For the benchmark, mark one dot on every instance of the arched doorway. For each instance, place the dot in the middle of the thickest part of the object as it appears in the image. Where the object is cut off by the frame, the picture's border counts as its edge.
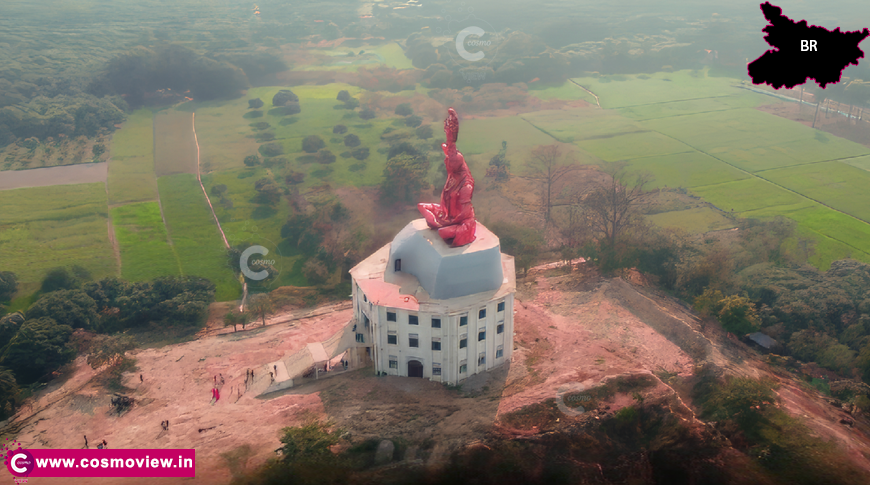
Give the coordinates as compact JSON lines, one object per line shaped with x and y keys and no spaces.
{"x":415,"y":369}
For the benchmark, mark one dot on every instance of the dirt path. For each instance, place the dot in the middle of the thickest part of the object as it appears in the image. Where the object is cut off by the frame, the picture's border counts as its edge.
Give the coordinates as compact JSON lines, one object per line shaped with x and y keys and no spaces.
{"x":83,"y":173}
{"x":597,"y":101}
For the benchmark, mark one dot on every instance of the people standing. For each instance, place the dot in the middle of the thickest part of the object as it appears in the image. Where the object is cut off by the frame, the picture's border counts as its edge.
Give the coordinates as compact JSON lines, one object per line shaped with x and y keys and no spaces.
{"x":86,"y":441}
{"x":105,"y":445}
{"x":141,"y":379}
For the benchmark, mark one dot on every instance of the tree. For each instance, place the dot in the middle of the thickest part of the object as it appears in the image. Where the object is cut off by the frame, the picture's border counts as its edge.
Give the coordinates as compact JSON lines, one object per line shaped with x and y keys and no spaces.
{"x":39,"y":347}
{"x":312,"y":143}
{"x":424,"y":132}
{"x":351,"y":103}
{"x":738,"y":315}
{"x":271,"y":149}
{"x":59,"y":279}
{"x":269,"y":193}
{"x":255,"y":103}
{"x":284,"y":97}
{"x":311,"y":441}
{"x":9,"y":326}
{"x":343,"y":95}
{"x":8,"y":392}
{"x":339,"y":129}
{"x":234,"y":319}
{"x":67,"y":307}
{"x":740,"y":399}
{"x":315,"y":271}
{"x":367,"y":113}
{"x":252,"y":160}
{"x":522,"y":242}
{"x":287,"y":110}
{"x":260,"y":305}
{"x":360,"y":153}
{"x":613,"y":206}
{"x":98,"y":150}
{"x":404,"y":109}
{"x":413,"y":121}
{"x":404,"y":178}
{"x":548,"y":167}
{"x":8,"y":285}
{"x":351,"y":141}
{"x":500,"y":164}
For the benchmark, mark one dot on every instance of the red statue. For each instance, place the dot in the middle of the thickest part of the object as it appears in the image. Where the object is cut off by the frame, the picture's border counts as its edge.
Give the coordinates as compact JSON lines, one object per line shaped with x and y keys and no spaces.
{"x":453,"y":218}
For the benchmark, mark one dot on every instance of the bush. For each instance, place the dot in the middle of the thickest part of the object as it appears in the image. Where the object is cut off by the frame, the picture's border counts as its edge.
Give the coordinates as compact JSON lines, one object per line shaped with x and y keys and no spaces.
{"x":255,"y":103}
{"x":39,"y":347}
{"x":351,"y":141}
{"x":425,"y":132}
{"x":252,"y":160}
{"x":260,"y":125}
{"x":360,"y":153}
{"x":8,"y":285}
{"x":343,"y":95}
{"x":219,"y":190}
{"x":325,"y":156}
{"x":289,"y":109}
{"x":339,"y":129}
{"x":312,"y":143}
{"x":367,"y":114}
{"x":404,"y":109}
{"x":351,"y":103}
{"x":266,"y":136}
{"x":59,"y":279}
{"x":413,"y":121}
{"x":284,"y":97}
{"x":271,"y":149}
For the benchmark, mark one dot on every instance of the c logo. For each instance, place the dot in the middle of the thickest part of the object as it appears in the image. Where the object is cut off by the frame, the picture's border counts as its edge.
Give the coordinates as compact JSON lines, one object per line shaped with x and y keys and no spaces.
{"x":243,"y":263}
{"x":21,"y":463}
{"x":460,"y":43}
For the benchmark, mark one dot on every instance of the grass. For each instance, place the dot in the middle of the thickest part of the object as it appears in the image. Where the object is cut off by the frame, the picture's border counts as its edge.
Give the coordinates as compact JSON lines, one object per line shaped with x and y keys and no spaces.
{"x":661,"y":87}
{"x":145,"y":251}
{"x":695,"y":220}
{"x":689,"y":169}
{"x":581,"y":124}
{"x":45,"y":227}
{"x":174,"y":148}
{"x":667,"y":109}
{"x":744,"y":196}
{"x":566,"y":91}
{"x":194,"y":234}
{"x":485,"y":135}
{"x":633,"y":145}
{"x":131,"y":169}
{"x":835,"y":184}
{"x":244,"y":222}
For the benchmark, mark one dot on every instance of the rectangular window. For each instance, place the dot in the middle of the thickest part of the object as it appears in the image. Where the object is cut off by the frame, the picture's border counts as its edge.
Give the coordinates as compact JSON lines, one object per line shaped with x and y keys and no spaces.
{"x":394,"y":362}
{"x":481,"y":335}
{"x":436,"y":323}
{"x":398,"y":266}
{"x":360,"y":338}
{"x":365,"y":300}
{"x":436,"y":369}
{"x":463,"y":321}
{"x":499,"y":352}
{"x":392,"y":339}
{"x":501,"y":306}
{"x":463,"y":368}
{"x":436,"y":344}
{"x":413,"y":340}
{"x":481,"y":360}
{"x":413,"y":320}
{"x":499,"y":328}
{"x":366,"y":320}
{"x":481,"y":314}
{"x":391,"y":316}
{"x":463,"y":341}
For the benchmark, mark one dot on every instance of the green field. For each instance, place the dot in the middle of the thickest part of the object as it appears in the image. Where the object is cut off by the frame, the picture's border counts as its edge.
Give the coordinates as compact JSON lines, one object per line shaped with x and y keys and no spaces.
{"x":195,"y":235}
{"x":567,"y":91}
{"x":485,"y":135}
{"x":678,"y":108}
{"x":131,"y":168}
{"x":834,"y":184}
{"x":690,"y":169}
{"x":746,"y":196}
{"x":174,"y":146}
{"x":145,"y":250}
{"x":46,"y":227}
{"x":695,"y":220}
{"x":632,"y":90}
{"x":633,"y":145}
{"x":571,"y":125}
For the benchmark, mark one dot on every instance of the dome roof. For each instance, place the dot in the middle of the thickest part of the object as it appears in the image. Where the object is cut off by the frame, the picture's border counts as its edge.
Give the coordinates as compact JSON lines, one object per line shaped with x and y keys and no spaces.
{"x":446,"y":272}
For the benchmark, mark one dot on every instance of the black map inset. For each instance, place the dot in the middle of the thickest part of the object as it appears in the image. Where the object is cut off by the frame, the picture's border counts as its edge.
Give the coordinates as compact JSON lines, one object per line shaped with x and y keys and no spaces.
{"x":801,"y":52}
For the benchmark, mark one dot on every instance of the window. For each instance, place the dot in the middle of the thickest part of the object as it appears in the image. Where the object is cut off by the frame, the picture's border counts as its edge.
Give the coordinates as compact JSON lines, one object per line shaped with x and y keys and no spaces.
{"x":463,"y":341}
{"x":360,"y":338}
{"x":501,"y":306}
{"x":436,"y":369}
{"x":463,"y":320}
{"x":392,"y":339}
{"x":499,"y":352}
{"x":481,"y":314}
{"x":391,"y":316}
{"x":436,"y":344}
{"x":463,"y":368}
{"x":365,"y":300}
{"x":481,"y":335}
{"x":436,"y":323}
{"x":499,"y":328}
{"x":482,"y":359}
{"x":413,"y":320}
{"x":394,"y":362}
{"x":398,"y":266}
{"x":413,"y":340}
{"x":366,"y":320}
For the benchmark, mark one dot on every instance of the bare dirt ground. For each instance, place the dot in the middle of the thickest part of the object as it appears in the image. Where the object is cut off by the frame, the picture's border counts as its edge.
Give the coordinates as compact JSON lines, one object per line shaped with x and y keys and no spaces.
{"x":84,"y":173}
{"x":573,"y":331}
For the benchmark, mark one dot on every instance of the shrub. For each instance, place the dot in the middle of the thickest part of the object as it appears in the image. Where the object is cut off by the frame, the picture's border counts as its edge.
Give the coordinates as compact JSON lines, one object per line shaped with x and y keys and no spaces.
{"x":325,"y":156}
{"x":283,"y":97}
{"x":312,"y":143}
{"x":413,"y":121}
{"x":339,"y":129}
{"x":252,"y":160}
{"x":360,"y":153}
{"x":351,"y":141}
{"x":404,"y":109}
{"x":255,"y":103}
{"x":271,"y":149}
{"x":425,"y":132}
{"x":367,"y":114}
{"x":343,"y":95}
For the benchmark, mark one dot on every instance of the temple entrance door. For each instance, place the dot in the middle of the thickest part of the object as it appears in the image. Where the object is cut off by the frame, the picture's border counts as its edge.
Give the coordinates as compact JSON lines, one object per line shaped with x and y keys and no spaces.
{"x":415,"y":369}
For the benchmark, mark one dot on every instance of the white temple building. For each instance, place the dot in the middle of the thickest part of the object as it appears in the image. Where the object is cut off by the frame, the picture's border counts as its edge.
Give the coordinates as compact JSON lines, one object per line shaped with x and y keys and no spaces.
{"x":425,"y":309}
